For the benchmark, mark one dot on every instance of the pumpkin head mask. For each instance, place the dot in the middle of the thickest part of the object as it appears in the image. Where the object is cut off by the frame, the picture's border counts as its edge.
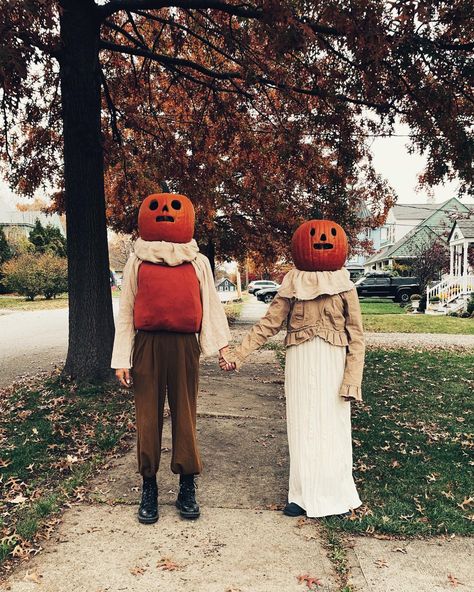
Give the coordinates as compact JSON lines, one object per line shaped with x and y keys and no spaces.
{"x":166,"y":217}
{"x":319,"y":245}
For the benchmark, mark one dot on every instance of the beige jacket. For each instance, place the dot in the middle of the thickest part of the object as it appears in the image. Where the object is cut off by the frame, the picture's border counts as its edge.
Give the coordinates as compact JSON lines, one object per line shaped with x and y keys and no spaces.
{"x":214,"y":334}
{"x":323,"y":304}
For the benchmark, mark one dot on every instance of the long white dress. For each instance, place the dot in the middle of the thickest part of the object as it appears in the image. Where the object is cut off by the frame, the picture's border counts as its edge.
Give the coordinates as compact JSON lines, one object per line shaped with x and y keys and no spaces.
{"x":319,"y":430}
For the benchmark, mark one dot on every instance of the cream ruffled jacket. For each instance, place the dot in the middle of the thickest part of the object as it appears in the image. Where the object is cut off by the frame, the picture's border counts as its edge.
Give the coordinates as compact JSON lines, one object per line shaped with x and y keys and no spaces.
{"x":214,"y":334}
{"x":314,"y":303}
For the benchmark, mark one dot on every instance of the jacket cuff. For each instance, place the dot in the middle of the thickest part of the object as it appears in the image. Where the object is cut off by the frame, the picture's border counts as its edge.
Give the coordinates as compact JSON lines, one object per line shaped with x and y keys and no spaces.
{"x":350,"y":392}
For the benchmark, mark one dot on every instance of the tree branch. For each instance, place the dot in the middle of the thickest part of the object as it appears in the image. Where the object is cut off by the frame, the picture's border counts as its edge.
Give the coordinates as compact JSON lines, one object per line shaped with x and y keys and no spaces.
{"x":169,"y":61}
{"x":243,"y":10}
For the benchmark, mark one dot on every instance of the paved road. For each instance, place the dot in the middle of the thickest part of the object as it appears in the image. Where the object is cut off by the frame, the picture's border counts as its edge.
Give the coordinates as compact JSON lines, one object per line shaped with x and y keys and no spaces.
{"x":32,"y":340}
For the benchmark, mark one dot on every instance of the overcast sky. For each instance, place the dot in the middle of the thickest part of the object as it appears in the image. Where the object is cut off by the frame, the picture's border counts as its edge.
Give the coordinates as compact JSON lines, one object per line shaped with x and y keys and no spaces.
{"x":392,"y":160}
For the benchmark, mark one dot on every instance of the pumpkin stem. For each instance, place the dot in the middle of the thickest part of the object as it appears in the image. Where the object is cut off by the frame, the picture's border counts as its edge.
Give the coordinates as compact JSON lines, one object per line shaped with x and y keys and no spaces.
{"x":316,"y":213}
{"x":164,"y":187}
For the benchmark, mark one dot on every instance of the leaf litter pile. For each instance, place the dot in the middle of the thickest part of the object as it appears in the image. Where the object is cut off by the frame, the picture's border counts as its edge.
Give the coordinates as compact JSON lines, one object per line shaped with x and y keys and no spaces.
{"x":53,"y":434}
{"x":413,"y":445}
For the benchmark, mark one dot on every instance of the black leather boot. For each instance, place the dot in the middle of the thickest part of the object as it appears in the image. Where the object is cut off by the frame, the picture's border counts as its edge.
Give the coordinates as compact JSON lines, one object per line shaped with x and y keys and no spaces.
{"x":186,"y":502}
{"x":148,"y":511}
{"x":293,"y":510}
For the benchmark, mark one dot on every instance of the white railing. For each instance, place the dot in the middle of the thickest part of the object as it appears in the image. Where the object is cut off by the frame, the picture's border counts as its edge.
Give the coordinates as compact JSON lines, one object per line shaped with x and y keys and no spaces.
{"x":450,"y":289}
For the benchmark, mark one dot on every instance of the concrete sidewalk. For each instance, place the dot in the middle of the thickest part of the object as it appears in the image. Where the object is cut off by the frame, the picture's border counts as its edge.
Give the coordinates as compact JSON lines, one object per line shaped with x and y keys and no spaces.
{"x":242,"y":542}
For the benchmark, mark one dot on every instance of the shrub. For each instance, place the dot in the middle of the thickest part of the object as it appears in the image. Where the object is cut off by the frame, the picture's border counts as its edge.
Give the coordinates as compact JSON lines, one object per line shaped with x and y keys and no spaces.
{"x":470,"y":305}
{"x":31,"y":275}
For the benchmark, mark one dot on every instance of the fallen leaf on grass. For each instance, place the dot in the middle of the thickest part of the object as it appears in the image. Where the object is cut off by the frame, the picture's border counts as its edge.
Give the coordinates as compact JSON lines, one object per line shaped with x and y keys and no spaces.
{"x":19,"y":499}
{"x":310,"y":581}
{"x":167,"y":564}
{"x":33,"y":577}
{"x":467,"y":502}
{"x":137,"y":570}
{"x":454,"y":581}
{"x":400,"y":550}
{"x":381,"y":563}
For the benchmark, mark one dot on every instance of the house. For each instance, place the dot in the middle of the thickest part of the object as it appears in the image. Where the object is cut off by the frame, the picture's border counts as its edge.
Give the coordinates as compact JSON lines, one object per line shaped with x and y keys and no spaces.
{"x":355,"y":264}
{"x":225,"y":285}
{"x":410,"y":225}
{"x":453,"y":291}
{"x":18,"y":224}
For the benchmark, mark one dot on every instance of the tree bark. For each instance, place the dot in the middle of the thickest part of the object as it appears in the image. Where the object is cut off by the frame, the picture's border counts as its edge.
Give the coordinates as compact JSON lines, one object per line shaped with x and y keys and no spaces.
{"x":91,"y":325}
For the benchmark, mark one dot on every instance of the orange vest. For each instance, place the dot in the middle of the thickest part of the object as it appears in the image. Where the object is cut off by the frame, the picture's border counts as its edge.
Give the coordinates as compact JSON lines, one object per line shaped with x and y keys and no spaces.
{"x":167,"y":299}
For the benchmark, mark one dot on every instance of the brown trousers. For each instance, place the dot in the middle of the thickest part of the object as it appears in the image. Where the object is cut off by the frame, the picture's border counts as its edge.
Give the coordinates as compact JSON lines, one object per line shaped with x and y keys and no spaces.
{"x":165,"y":362}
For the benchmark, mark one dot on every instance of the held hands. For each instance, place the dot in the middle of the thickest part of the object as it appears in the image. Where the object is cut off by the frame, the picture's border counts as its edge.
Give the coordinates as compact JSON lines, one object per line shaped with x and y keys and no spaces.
{"x":123,"y":375}
{"x":223,"y":363}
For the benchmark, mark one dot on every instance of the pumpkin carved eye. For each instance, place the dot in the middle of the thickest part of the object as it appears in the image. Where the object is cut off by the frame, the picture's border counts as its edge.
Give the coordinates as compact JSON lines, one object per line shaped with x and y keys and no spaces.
{"x":312,"y":232}
{"x":153,"y":204}
{"x":333,"y":231}
{"x":175,"y":204}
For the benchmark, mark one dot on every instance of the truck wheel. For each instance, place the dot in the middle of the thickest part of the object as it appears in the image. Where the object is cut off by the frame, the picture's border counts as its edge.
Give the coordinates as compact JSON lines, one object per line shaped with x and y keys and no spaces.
{"x":404,"y":297}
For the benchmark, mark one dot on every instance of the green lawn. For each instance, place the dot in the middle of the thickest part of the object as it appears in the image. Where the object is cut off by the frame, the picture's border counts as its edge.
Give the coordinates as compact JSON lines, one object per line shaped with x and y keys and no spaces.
{"x":39,"y":303}
{"x":10,"y":302}
{"x":413,"y":443}
{"x":385,"y":316}
{"x":52,"y":436}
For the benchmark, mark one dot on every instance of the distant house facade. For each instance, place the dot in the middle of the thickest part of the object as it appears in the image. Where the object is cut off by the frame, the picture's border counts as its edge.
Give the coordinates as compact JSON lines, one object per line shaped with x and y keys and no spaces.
{"x":410,"y":225}
{"x":18,"y":224}
{"x":225,"y":285}
{"x":454,"y":290}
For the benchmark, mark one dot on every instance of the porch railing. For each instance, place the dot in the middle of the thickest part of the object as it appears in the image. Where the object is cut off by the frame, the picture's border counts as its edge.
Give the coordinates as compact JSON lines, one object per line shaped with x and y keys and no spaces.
{"x":451,"y":288}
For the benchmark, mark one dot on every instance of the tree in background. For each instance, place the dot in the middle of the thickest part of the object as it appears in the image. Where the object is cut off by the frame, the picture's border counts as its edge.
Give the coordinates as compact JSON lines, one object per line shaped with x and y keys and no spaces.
{"x":31,"y":274}
{"x":5,"y":255}
{"x":341,"y":71}
{"x":431,"y":259}
{"x":48,"y":239}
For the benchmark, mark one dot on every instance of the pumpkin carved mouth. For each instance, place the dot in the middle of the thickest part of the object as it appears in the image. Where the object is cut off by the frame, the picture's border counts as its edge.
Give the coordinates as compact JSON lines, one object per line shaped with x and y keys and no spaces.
{"x":323,"y":246}
{"x":164,"y":219}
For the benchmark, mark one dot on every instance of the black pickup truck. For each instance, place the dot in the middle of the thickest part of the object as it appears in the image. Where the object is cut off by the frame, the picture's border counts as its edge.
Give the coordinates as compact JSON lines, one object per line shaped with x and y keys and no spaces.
{"x":384,"y":284}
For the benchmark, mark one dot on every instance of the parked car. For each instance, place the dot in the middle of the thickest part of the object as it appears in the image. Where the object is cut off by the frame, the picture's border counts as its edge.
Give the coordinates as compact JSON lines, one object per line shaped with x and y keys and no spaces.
{"x":386,"y":285}
{"x":267,"y":294}
{"x":259,"y":284}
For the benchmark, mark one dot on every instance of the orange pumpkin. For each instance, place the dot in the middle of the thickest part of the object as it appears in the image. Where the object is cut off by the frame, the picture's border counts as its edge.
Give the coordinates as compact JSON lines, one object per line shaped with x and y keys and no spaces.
{"x":166,"y":217}
{"x":319,"y":245}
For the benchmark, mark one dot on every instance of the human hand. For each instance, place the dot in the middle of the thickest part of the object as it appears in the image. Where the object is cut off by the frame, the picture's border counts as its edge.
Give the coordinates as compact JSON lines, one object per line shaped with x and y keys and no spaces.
{"x":123,"y":375}
{"x":223,"y":363}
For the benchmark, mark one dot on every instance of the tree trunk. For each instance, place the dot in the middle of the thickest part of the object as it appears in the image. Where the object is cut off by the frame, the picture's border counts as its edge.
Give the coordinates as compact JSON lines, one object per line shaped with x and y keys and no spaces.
{"x":91,"y":326}
{"x":209,"y":250}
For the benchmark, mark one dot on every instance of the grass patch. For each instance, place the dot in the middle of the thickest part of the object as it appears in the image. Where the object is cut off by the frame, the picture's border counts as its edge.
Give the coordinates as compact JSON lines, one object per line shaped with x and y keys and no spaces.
{"x":233,"y":310}
{"x":396,"y":323}
{"x":10,"y":302}
{"x":380,"y":306}
{"x":381,"y":315}
{"x":53,"y":434}
{"x":413,"y":443}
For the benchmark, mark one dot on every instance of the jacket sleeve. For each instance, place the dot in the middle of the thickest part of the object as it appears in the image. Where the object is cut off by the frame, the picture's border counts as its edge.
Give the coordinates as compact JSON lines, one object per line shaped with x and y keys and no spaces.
{"x":259,"y":334}
{"x":351,"y":385}
{"x":214,"y":334}
{"x":124,"y":327}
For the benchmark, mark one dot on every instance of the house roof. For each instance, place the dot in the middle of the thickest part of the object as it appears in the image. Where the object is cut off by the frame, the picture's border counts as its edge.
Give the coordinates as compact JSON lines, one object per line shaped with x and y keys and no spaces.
{"x":414,"y":211}
{"x":465,"y":226}
{"x":426,"y":231}
{"x":222,"y":280}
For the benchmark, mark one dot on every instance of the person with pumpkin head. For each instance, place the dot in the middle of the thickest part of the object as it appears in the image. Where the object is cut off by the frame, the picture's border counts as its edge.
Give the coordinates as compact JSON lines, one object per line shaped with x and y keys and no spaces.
{"x":169,"y":313}
{"x":324,"y":364}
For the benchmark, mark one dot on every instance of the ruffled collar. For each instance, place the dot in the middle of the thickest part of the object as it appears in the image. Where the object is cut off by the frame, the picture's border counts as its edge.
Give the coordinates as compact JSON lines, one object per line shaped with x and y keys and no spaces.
{"x":166,"y":253}
{"x":307,"y":285}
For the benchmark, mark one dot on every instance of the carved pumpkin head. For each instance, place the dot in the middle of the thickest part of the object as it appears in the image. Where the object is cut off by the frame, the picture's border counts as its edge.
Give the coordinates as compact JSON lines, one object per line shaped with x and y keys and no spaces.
{"x":166,"y":217}
{"x":319,"y":245}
